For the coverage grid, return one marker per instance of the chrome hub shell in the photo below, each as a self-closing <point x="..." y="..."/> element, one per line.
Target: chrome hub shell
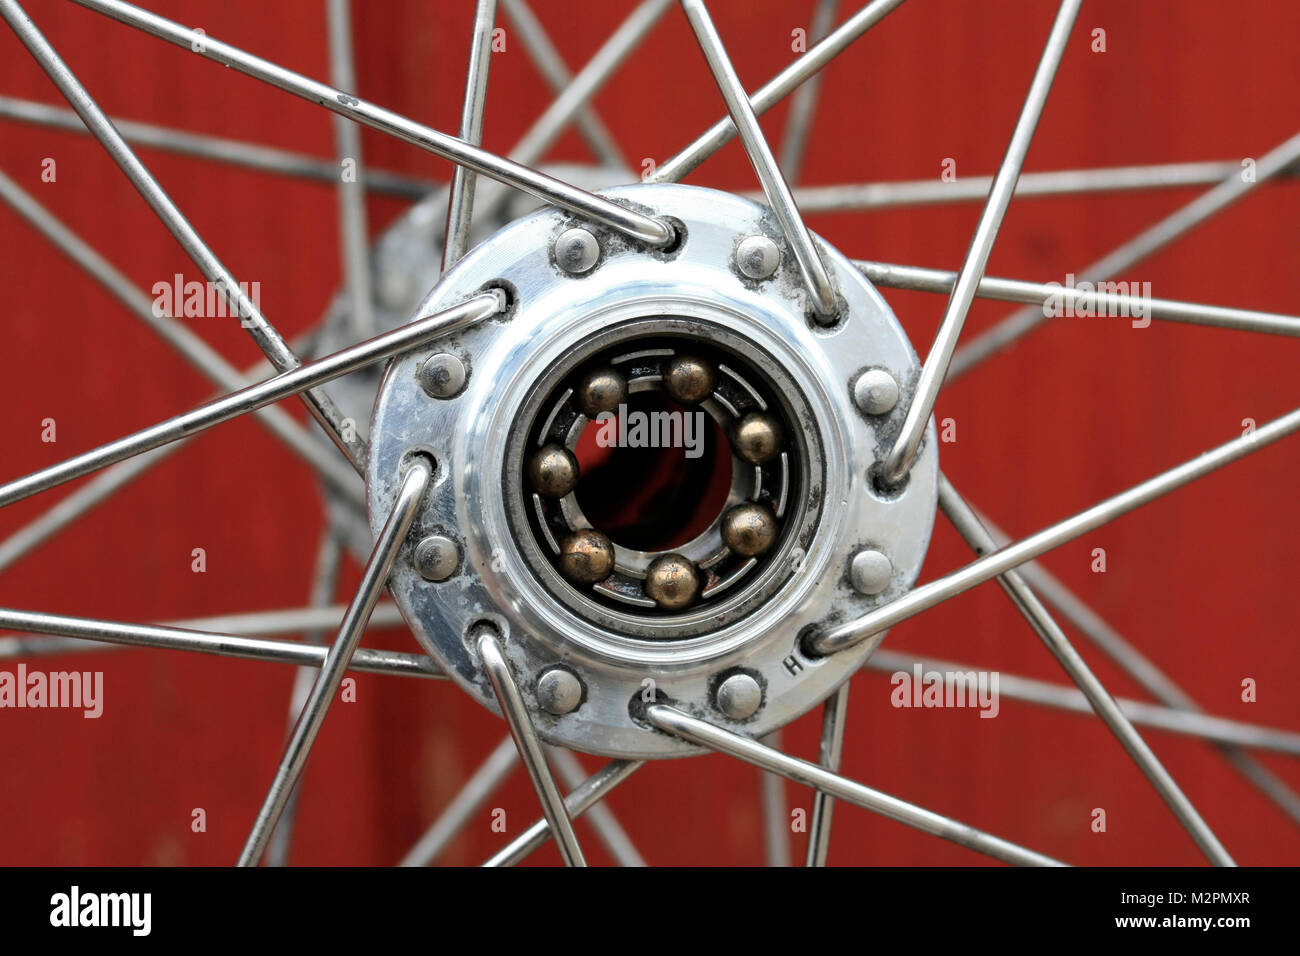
<point x="693" y="293"/>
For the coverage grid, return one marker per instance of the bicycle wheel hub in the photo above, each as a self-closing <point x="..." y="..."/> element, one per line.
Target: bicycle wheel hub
<point x="651" y="473"/>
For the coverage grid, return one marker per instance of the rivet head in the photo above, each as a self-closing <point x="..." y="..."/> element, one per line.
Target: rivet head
<point x="756" y="437"/>
<point x="757" y="258"/>
<point x="688" y="379"/>
<point x="559" y="691"/>
<point x="672" y="581"/>
<point x="748" y="529"/>
<point x="553" y="470"/>
<point x="437" y="557"/>
<point x="586" y="557"/>
<point x="576" y="251"/>
<point x="601" y="390"/>
<point x="875" y="392"/>
<point x="738" y="697"/>
<point x="443" y="375"/>
<point x="870" y="572"/>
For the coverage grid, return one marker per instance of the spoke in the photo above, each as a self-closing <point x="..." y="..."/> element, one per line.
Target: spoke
<point x="1232" y="188"/>
<point x="899" y="460"/>
<point x="834" y="715"/>
<point x="1101" y="302"/>
<point x="815" y="277"/>
<point x="873" y="624"/>
<point x="484" y="782"/>
<point x="546" y="188"/>
<point x="92" y="493"/>
<point x="601" y="817"/>
<point x="1045" y="626"/>
<point x="551" y="65"/>
<point x="263" y="333"/>
<point x="255" y="396"/>
<point x="192" y="347"/>
<point x="704" y="734"/>
<point x="588" y="82"/>
<point x="460" y="206"/>
<point x="222" y="645"/>
<point x="268" y="159"/>
<point x="325" y="579"/>
<point x="1065" y="182"/>
<point x="776" y="817"/>
<point x="353" y="230"/>
<point x="804" y="103"/>
<point x="530" y="748"/>
<point x="373" y="580"/>
<point x="582" y="799"/>
<point x="1217" y="730"/>
<point x="772" y="92"/>
<point x="1186" y="716"/>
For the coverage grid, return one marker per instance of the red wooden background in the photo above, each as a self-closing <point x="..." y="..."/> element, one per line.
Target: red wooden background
<point x="1204" y="581"/>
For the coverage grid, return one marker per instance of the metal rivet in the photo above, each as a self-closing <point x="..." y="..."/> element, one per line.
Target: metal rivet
<point x="875" y="392"/>
<point x="576" y="251"/>
<point x="436" y="557"/>
<point x="443" y="375"/>
<point x="739" y="697"/>
<point x="870" y="572"/>
<point x="757" y="258"/>
<point x="559" y="691"/>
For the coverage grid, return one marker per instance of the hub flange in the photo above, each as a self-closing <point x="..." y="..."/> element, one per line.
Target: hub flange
<point x="692" y="324"/>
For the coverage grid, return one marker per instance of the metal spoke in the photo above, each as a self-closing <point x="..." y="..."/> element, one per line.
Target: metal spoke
<point x="1066" y="182"/>
<point x="776" y="818"/>
<point x="1102" y="303"/>
<point x="551" y="65"/>
<point x="93" y="492"/>
<point x="354" y="232"/>
<point x="588" y="81"/>
<point x="899" y="460"/>
<point x="325" y="577"/>
<point x="582" y="799"/>
<point x="191" y="346"/>
<point x="222" y="645"/>
<point x="515" y="712"/>
<point x="831" y="750"/>
<point x="546" y="188"/>
<point x="373" y="580"/>
<point x="1185" y="712"/>
<point x="255" y="396"/>
<point x="804" y="103"/>
<point x="273" y="346"/>
<point x="874" y="623"/>
<point x="772" y="92"/>
<point x="1216" y="730"/>
<point x="1045" y="626"/>
<point x="267" y="159"/>
<point x="289" y="621"/>
<point x="815" y="276"/>
<point x="704" y="734"/>
<point x="601" y="817"/>
<point x="460" y="206"/>
<point x="1232" y="188"/>
<point x="484" y="782"/>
